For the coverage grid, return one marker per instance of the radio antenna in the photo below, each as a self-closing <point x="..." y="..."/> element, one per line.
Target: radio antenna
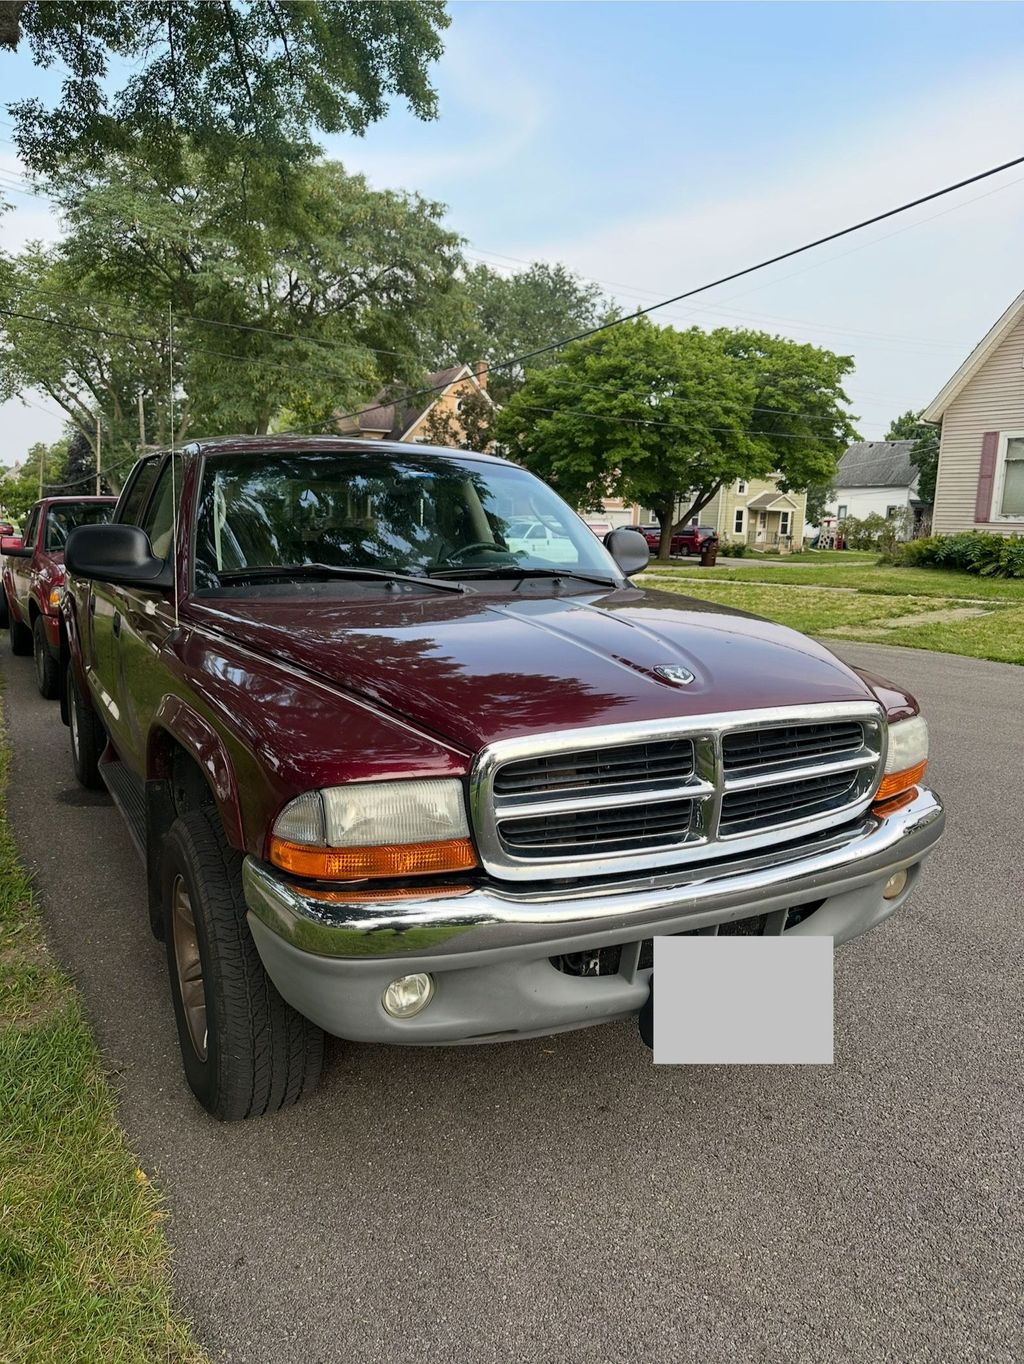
<point x="174" y="489"/>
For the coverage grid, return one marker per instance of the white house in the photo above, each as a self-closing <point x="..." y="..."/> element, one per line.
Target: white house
<point x="980" y="483"/>
<point x="877" y="477"/>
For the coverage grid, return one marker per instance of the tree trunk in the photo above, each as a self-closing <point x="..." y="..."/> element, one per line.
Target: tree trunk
<point x="664" y="515"/>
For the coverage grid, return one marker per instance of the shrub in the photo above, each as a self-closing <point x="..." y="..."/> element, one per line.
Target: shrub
<point x="971" y="551"/>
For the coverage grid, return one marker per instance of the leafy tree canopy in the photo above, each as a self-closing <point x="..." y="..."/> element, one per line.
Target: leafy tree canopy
<point x="665" y="418"/>
<point x="495" y="317"/>
<point x="925" y="454"/>
<point x="308" y="300"/>
<point x="18" y="490"/>
<point x="214" y="74"/>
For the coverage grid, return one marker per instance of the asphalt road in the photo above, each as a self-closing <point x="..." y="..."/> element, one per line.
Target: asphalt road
<point x="565" y="1200"/>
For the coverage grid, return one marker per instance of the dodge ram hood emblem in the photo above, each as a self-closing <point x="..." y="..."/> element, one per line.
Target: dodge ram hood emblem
<point x="672" y="672"/>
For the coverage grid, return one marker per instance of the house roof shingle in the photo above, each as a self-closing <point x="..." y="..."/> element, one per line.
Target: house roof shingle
<point x="396" y="418"/>
<point x="877" y="464"/>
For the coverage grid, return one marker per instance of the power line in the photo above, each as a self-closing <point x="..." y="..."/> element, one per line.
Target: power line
<point x="735" y="274"/>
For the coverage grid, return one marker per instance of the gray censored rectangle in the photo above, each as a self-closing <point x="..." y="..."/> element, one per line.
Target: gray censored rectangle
<point x="743" y="1001"/>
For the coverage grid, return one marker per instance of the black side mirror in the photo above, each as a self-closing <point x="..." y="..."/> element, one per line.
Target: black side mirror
<point x="629" y="550"/>
<point x="116" y="554"/>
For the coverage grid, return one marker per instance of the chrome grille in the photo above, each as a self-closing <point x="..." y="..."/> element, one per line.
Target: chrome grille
<point x="762" y="807"/>
<point x="594" y="831"/>
<point x="612" y="768"/>
<point x="789" y="744"/>
<point x="630" y="797"/>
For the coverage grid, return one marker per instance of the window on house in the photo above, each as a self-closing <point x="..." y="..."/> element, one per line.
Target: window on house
<point x="1011" y="501"/>
<point x="783" y="523"/>
<point x="891" y="513"/>
<point x="741" y="487"/>
<point x="841" y="513"/>
<point x="737" y="524"/>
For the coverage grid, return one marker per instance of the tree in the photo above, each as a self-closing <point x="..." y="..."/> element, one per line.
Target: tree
<point x="470" y="430"/>
<point x="819" y="496"/>
<point x="213" y="75"/>
<point x="19" y="489"/>
<point x="307" y="301"/>
<point x="925" y="452"/>
<point x="666" y="418"/>
<point x="495" y="317"/>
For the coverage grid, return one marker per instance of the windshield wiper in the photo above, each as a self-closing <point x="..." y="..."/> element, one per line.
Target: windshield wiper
<point x="268" y="571"/>
<point x="522" y="571"/>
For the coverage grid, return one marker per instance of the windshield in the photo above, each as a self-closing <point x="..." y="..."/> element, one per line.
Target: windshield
<point x="364" y="510"/>
<point x="62" y="520"/>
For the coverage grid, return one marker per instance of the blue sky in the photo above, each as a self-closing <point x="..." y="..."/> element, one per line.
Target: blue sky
<point x="654" y="146"/>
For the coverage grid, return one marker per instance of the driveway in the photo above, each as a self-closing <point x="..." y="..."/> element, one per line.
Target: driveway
<point x="564" y="1200"/>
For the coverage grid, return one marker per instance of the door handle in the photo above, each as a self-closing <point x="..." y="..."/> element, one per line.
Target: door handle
<point x="117" y="624"/>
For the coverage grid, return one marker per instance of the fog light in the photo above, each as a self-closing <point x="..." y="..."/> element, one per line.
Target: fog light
<point x="408" y="995"/>
<point x="895" y="886"/>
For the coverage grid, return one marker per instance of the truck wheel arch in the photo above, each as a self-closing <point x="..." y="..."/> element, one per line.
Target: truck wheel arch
<point x="181" y="732"/>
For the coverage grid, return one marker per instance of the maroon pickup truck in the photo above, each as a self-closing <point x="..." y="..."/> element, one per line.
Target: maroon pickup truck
<point x="33" y="577"/>
<point x="398" y="782"/>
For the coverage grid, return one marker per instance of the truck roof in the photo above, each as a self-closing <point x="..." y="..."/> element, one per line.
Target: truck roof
<point x="225" y="445"/>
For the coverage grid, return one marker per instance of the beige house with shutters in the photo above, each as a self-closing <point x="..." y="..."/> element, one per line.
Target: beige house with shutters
<point x="980" y="483"/>
<point x="754" y="511"/>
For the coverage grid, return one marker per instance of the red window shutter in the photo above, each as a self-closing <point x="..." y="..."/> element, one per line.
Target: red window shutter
<point x="986" y="476"/>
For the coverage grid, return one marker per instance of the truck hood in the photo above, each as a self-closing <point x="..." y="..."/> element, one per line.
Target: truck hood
<point x="480" y="667"/>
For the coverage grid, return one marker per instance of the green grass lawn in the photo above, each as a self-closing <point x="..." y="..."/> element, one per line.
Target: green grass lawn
<point x="83" y="1258"/>
<point x="864" y="577"/>
<point x="802" y="599"/>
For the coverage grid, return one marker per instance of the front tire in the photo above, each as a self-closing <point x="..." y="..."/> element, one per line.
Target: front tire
<point x="245" y="1051"/>
<point x="685" y="551"/>
<point x="47" y="668"/>
<point x="88" y="737"/>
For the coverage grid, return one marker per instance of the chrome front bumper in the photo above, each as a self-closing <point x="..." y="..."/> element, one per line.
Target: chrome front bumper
<point x="489" y="948"/>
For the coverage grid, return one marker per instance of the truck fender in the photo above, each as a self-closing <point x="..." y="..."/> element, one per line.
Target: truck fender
<point x="204" y="745"/>
<point x="71" y="657"/>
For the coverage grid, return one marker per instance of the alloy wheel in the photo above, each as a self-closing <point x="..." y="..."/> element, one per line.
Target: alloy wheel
<point x="189" y="965"/>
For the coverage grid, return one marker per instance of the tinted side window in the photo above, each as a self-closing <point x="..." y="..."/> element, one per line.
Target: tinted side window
<point x="158" y="521"/>
<point x="136" y="491"/>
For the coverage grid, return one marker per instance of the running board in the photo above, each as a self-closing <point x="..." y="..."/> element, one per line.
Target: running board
<point x="130" y="798"/>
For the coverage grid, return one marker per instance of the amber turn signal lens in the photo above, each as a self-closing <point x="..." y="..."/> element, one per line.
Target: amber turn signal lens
<point x="898" y="782"/>
<point x="355" y="864"/>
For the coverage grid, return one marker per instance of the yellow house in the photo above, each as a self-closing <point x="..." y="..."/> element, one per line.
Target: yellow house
<point x="409" y="420"/>
<point x="754" y="511"/>
<point x="757" y="513"/>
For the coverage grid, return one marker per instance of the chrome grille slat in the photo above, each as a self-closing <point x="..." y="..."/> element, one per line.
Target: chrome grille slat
<point x="638" y="797"/>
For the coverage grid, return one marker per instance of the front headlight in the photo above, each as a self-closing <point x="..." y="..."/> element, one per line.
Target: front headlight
<point x="906" y="759"/>
<point x="373" y="829"/>
<point x="56" y="596"/>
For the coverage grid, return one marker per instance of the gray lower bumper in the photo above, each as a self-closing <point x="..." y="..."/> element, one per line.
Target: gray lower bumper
<point x="489" y="950"/>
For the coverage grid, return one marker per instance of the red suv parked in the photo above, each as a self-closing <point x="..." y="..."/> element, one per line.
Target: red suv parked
<point x="33" y="578"/>
<point x="687" y="541"/>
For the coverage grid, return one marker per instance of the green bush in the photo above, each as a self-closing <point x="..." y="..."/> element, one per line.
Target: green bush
<point x="734" y="549"/>
<point x="971" y="551"/>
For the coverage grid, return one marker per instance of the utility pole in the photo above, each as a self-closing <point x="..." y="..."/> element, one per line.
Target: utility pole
<point x="99" y="458"/>
<point x="142" y="423"/>
<point x="42" y="451"/>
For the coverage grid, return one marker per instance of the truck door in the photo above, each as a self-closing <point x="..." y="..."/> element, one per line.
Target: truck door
<point x="104" y="607"/>
<point x="143" y="619"/>
<point x="21" y="568"/>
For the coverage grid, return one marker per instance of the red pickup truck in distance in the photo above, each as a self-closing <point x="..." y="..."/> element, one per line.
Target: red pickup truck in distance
<point x="398" y="777"/>
<point x="33" y="579"/>
<point x="689" y="540"/>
